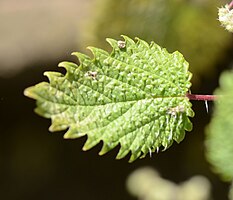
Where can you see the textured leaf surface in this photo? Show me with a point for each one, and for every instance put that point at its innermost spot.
(220, 131)
(134, 96)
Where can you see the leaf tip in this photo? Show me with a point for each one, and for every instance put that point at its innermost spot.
(67, 65)
(85, 148)
(112, 42)
(47, 74)
(26, 92)
(75, 54)
(61, 64)
(29, 92)
(65, 136)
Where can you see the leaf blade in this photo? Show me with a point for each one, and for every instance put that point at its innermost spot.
(135, 96)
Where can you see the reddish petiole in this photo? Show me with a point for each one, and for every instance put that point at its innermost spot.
(200, 97)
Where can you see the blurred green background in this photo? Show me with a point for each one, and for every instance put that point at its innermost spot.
(36, 35)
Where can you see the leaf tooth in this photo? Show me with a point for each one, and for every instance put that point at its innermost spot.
(179, 136)
(180, 59)
(53, 75)
(154, 46)
(91, 142)
(68, 65)
(113, 43)
(189, 111)
(99, 54)
(190, 75)
(188, 126)
(128, 40)
(107, 146)
(122, 152)
(134, 156)
(42, 112)
(165, 143)
(73, 133)
(58, 124)
(81, 57)
(142, 42)
(149, 150)
(57, 127)
(147, 147)
(145, 150)
(33, 91)
(29, 92)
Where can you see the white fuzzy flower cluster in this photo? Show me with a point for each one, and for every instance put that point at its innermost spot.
(225, 16)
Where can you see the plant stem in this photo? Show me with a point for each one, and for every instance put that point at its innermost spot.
(200, 97)
(230, 5)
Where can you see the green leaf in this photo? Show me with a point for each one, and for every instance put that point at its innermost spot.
(135, 96)
(220, 131)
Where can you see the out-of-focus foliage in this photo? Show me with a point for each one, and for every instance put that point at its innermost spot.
(231, 192)
(220, 131)
(189, 26)
(146, 184)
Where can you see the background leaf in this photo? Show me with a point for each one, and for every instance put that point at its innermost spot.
(189, 26)
(220, 130)
(135, 96)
